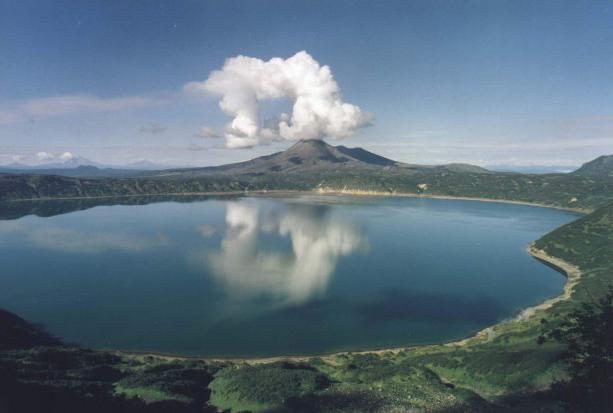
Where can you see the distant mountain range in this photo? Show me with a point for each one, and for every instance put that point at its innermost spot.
(312, 155)
(317, 166)
(79, 166)
(73, 162)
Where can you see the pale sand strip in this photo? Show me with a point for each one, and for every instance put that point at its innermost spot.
(425, 195)
(321, 191)
(572, 272)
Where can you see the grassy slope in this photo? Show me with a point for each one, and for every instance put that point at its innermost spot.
(588, 243)
(16, 333)
(477, 375)
(561, 190)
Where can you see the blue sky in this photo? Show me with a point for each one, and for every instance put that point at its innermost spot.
(487, 82)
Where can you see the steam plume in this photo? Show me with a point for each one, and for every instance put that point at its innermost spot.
(318, 110)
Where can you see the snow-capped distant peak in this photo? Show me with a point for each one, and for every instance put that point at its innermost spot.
(64, 161)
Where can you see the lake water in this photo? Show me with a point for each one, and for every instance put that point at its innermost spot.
(254, 276)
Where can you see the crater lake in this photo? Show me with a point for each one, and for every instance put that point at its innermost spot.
(260, 276)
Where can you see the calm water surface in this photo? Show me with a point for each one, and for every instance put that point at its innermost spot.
(264, 276)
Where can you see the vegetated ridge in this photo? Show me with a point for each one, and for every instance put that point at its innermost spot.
(316, 166)
(599, 167)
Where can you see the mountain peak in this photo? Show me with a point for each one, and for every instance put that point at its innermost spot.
(319, 149)
(310, 142)
(310, 148)
(599, 167)
(309, 145)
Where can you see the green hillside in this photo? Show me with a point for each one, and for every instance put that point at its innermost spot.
(600, 167)
(317, 166)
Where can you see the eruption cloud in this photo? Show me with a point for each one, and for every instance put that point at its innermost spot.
(318, 109)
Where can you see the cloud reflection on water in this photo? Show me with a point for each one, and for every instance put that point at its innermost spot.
(72, 238)
(250, 267)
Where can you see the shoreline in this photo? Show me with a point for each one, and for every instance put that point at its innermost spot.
(318, 191)
(448, 197)
(570, 271)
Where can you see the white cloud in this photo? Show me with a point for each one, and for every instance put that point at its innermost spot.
(44, 156)
(207, 230)
(48, 156)
(69, 104)
(73, 241)
(318, 110)
(194, 147)
(207, 133)
(66, 239)
(153, 128)
(9, 116)
(66, 156)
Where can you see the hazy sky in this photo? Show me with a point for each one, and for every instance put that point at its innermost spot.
(488, 82)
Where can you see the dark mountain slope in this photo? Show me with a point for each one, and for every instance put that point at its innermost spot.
(601, 167)
(464, 168)
(366, 156)
(16, 333)
(303, 156)
(315, 157)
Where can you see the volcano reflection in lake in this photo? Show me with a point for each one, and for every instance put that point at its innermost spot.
(264, 276)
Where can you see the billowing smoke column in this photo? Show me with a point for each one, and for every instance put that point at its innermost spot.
(318, 110)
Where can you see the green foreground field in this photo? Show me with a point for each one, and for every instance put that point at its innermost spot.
(500, 369)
